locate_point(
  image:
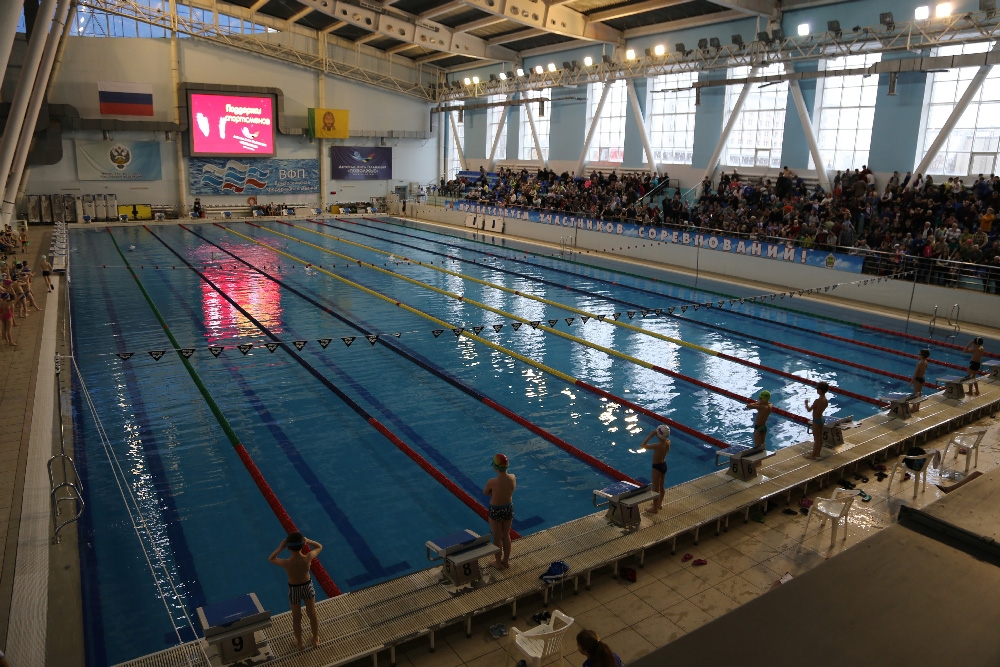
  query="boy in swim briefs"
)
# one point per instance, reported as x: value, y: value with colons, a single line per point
x: 660, y: 449
x: 300, y: 586
x: 763, y: 407
x: 918, y: 377
x: 817, y: 408
x: 500, y: 489
x: 976, y: 347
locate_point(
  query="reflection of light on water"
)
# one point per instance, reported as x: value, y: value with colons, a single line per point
x: 258, y: 295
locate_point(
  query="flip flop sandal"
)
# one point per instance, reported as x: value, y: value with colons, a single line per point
x: 686, y: 557
x: 499, y: 630
x: 865, y: 497
x: 804, y: 510
x: 881, y: 476
x: 805, y: 502
x: 845, y: 484
x: 861, y: 478
x: 789, y: 510
x: 700, y: 561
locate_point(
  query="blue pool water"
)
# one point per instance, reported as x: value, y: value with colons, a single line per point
x: 200, y: 531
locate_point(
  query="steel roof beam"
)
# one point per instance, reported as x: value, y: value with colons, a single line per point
x: 481, y: 23
x: 442, y: 10
x: 633, y: 9
x: 551, y: 18
x: 684, y: 24
x: 300, y: 15
x: 516, y: 36
x: 753, y: 7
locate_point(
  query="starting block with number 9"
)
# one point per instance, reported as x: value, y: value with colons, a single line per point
x: 461, y: 552
x: 230, y: 626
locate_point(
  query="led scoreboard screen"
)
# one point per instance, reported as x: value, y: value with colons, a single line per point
x: 231, y: 125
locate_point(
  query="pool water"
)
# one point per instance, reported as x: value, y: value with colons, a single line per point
x: 174, y: 520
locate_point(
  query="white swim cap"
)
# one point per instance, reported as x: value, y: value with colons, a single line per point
x: 663, y: 431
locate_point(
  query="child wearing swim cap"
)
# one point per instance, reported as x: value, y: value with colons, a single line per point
x: 660, y: 449
x: 300, y: 586
x: 975, y: 346
x: 500, y: 489
x: 763, y: 407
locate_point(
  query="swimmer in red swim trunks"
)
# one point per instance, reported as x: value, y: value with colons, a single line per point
x: 500, y: 489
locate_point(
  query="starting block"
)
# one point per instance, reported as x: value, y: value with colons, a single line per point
x: 230, y: 626
x: 991, y: 371
x: 742, y: 466
x: 954, y: 386
x: 622, y: 500
x: 899, y: 403
x: 833, y: 431
x: 461, y: 552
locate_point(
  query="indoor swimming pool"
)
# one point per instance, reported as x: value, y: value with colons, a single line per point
x: 370, y: 369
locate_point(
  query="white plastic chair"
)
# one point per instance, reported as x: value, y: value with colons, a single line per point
x: 925, y: 464
x: 969, y: 439
x: 836, y: 507
x: 539, y: 643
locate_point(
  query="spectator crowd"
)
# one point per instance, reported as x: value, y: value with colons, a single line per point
x: 942, y: 231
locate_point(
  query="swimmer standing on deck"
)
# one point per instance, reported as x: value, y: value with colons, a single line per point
x: 660, y: 449
x: 817, y: 408
x: 500, y: 489
x: 763, y: 407
x: 300, y: 586
x: 918, y: 377
x: 976, y: 347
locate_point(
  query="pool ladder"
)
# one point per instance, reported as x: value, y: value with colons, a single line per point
x: 952, y: 322
x: 70, y: 488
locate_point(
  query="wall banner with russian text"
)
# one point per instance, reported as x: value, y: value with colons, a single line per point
x: 221, y: 176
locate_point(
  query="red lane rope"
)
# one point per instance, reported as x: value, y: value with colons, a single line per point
x: 929, y: 341
x: 880, y: 348
x: 799, y: 378
x: 649, y: 413
x: 853, y: 364
x: 324, y: 579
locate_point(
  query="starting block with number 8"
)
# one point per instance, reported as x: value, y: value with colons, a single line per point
x: 230, y: 626
x: 461, y: 552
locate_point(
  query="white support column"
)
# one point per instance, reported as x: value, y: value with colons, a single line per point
x: 321, y: 95
x: 25, y: 84
x: 543, y: 162
x: 175, y: 74
x: 728, y: 129
x: 593, y: 126
x: 52, y: 41
x: 458, y: 142
x: 809, y: 131
x: 10, y: 13
x: 641, y: 122
x: 963, y: 103
x: 496, y: 139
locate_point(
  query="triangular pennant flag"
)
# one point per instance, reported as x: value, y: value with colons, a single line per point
x: 497, y: 327
x: 552, y: 323
x: 124, y: 356
x: 585, y: 318
x: 707, y: 304
x: 600, y: 318
x: 299, y: 344
x: 630, y: 313
x: 216, y: 350
x: 437, y: 332
x: 772, y: 297
x: 753, y: 299
x: 732, y: 301
x: 156, y: 354
x: 684, y: 309
x: 834, y: 286
x: 186, y: 352
x: 670, y: 310
x: 801, y: 292
x: 478, y: 329
x: 397, y: 334
x: 534, y: 323
x: 781, y: 296
x: 244, y: 348
x: 569, y: 321
x: 458, y: 332
x: 722, y: 303
x: 658, y: 311
x: 742, y: 301
x: 515, y: 325
x: 372, y: 338
x: 826, y: 289
x: 348, y: 340
x: 271, y: 347
x: 323, y: 342
x: 616, y: 315
x: 697, y: 306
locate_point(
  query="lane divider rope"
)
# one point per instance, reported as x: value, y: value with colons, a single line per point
x: 499, y: 348
x: 324, y: 579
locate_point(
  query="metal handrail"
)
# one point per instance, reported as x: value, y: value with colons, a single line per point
x: 74, y: 485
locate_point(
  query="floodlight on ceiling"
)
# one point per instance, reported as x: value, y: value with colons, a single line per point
x: 988, y: 6
x: 552, y: 67
x: 493, y: 77
x: 588, y: 61
x: 659, y: 49
x: 679, y: 47
x: 567, y: 64
x: 764, y: 37
x: 777, y: 34
x: 467, y: 81
x: 520, y: 72
x: 803, y: 29
x: 885, y: 18
x: 475, y: 80
x: 714, y: 42
x: 539, y: 69
x: 834, y: 27
x: 703, y: 43
x: 942, y: 10
x: 502, y: 76
x: 738, y: 40
x: 630, y: 54
x: 922, y: 13
x: 606, y: 59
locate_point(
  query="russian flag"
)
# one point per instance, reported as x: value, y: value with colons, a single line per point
x: 125, y: 99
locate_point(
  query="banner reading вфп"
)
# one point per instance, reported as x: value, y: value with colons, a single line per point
x: 329, y: 123
x: 118, y: 161
x: 221, y: 176
x: 360, y: 163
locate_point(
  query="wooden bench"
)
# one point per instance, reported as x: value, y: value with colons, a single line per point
x: 743, y: 465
